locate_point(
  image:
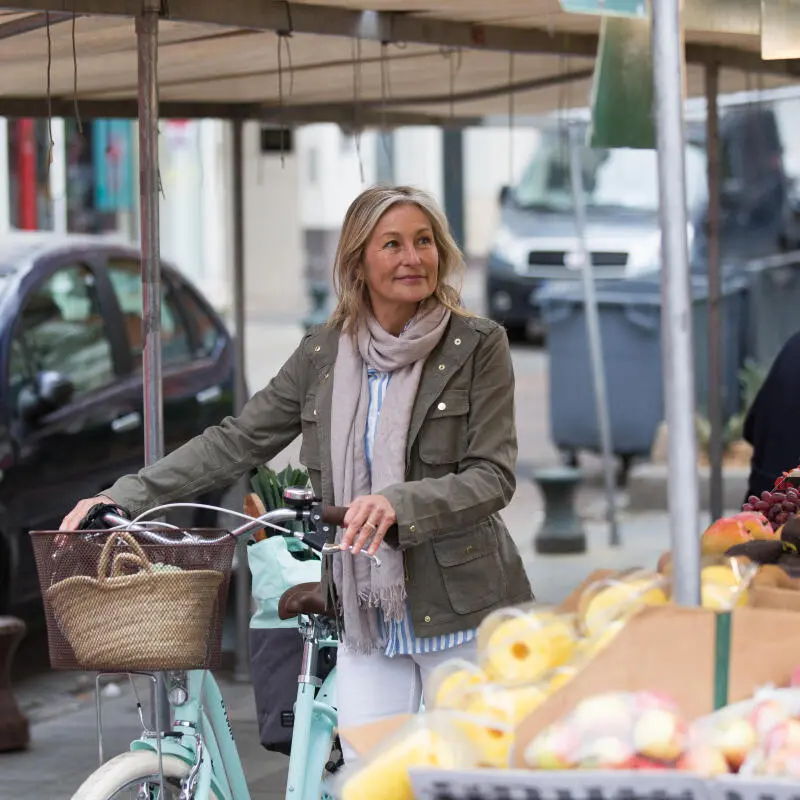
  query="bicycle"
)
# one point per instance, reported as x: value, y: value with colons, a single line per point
x: 197, y: 759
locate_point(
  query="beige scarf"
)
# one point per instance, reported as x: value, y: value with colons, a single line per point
x: 361, y: 586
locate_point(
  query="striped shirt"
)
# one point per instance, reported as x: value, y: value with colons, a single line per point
x: 398, y: 636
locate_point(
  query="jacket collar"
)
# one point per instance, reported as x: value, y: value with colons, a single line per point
x: 457, y: 344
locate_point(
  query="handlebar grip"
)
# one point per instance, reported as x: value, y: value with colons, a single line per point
x: 95, y: 516
x: 334, y: 515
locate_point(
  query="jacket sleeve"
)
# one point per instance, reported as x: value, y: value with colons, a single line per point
x: 269, y: 422
x: 485, y: 480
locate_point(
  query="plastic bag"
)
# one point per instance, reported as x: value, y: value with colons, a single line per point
x: 490, y: 717
x: 525, y: 643
x: 759, y: 736
x: 615, y: 599
x: 616, y: 730
x: 426, y: 740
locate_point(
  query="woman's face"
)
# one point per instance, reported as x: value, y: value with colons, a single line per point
x: 401, y: 262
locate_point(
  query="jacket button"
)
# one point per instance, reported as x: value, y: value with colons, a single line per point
x: 441, y: 367
x: 442, y: 406
x: 469, y: 549
x: 457, y: 342
x: 317, y: 349
x: 315, y: 412
x: 412, y: 528
x: 427, y: 619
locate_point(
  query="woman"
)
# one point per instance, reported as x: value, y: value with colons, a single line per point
x: 406, y: 408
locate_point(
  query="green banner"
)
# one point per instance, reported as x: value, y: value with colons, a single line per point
x: 722, y: 659
x: 622, y: 90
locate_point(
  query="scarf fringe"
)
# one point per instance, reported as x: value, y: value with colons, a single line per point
x: 391, y: 600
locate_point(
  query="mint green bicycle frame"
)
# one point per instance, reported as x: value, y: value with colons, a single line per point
x: 202, y: 735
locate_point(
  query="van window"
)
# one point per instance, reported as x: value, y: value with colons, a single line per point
x: 613, y: 179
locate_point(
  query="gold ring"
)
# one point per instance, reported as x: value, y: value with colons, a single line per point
x: 370, y: 525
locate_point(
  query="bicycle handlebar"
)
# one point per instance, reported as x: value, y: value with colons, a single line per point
x: 312, y: 513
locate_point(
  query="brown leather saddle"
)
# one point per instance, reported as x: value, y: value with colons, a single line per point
x: 305, y: 598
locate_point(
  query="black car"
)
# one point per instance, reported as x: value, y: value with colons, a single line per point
x: 71, y: 402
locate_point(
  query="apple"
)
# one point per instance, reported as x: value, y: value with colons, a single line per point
x: 735, y: 739
x: 604, y: 752
x: 659, y: 734
x: 756, y: 524
x: 554, y: 748
x: 722, y: 534
x: 704, y: 760
x: 783, y: 736
x: 765, y: 716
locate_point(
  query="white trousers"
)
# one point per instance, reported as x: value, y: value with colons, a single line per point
x: 373, y: 687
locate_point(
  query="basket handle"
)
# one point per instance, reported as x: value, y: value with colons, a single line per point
x: 102, y: 569
x: 120, y: 559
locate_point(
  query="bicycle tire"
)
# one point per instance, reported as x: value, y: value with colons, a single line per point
x: 127, y: 768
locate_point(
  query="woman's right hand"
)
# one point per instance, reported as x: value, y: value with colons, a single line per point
x: 82, y: 508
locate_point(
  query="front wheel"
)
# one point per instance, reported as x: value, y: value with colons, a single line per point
x: 133, y: 775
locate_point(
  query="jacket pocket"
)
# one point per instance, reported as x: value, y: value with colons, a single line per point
x: 471, y: 568
x: 309, y: 446
x: 443, y: 436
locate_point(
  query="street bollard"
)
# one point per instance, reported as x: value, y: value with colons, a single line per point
x: 562, y: 531
x: 14, y: 733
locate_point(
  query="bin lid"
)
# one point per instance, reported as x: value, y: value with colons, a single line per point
x: 644, y: 291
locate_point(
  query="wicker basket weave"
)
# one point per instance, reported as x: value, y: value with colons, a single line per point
x: 154, y: 619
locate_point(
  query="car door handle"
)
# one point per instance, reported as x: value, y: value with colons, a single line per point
x: 127, y: 422
x: 208, y: 395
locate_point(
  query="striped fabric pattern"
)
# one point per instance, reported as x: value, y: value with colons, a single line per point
x: 399, y: 636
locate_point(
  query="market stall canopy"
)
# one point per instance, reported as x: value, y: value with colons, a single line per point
x: 356, y: 62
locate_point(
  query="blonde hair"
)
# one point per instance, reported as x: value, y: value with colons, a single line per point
x: 360, y: 221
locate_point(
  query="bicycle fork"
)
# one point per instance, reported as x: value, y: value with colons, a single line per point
x: 314, y: 723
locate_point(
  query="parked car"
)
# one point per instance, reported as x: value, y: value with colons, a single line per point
x: 536, y: 239
x: 71, y: 401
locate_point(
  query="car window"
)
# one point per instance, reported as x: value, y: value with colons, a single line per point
x: 126, y: 278
x: 60, y: 329
x: 205, y: 326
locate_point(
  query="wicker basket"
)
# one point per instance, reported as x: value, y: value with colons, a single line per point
x: 155, y: 619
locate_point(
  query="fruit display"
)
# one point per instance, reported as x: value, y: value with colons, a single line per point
x: 616, y: 730
x: 481, y: 714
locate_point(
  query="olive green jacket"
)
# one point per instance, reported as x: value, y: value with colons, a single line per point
x: 461, y: 562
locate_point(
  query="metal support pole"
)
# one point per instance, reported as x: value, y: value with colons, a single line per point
x: 676, y: 320
x: 147, y: 45
x: 453, y: 182
x: 147, y: 39
x: 715, y: 342
x: 242, y: 665
x: 593, y: 331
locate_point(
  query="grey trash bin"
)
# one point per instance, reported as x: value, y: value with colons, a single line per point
x: 773, y: 309
x: 630, y: 325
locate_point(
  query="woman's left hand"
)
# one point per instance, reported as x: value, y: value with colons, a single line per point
x: 367, y: 520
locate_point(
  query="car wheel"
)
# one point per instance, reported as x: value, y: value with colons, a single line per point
x: 517, y: 333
